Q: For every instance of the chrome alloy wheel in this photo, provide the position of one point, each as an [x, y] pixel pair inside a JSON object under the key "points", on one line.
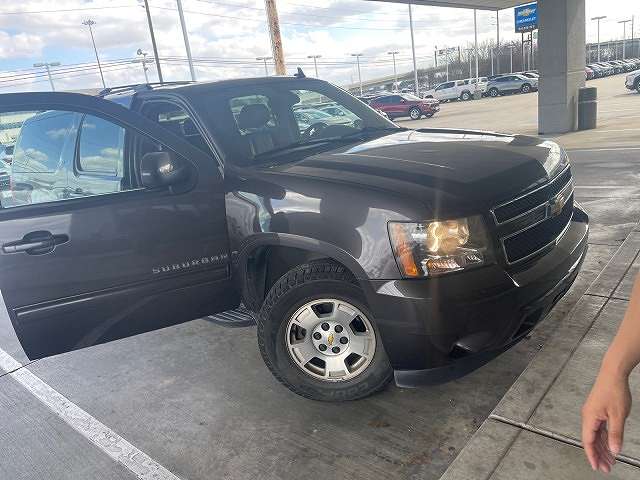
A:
{"points": [[330, 339]]}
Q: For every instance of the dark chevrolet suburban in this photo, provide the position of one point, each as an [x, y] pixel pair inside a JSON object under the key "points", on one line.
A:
{"points": [[364, 249]]}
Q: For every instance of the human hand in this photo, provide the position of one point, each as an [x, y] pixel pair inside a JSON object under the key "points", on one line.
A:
{"points": [[603, 417]]}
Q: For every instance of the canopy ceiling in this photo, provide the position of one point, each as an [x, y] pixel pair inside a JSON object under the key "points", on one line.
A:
{"points": [[479, 4]]}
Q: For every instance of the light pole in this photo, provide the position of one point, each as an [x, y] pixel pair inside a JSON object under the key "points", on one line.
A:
{"points": [[475, 33], [598, 20], [498, 41], [469, 50], [315, 62], [395, 72], [143, 61], [185, 35], [413, 52], [511, 59], [265, 60], [624, 37], [90, 23], [358, 55], [153, 41], [47, 65]]}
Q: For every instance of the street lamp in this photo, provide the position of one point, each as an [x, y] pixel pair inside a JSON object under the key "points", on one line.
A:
{"points": [[315, 62], [358, 55], [90, 23], [395, 72], [143, 61], [47, 65], [598, 20], [265, 59], [624, 37]]}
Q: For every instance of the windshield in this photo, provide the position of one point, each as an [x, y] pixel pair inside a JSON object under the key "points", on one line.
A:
{"points": [[411, 97], [270, 119]]}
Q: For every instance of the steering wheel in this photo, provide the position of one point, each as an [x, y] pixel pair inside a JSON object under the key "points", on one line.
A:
{"points": [[314, 130]]}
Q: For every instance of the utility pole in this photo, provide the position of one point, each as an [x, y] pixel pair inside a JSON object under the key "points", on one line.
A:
{"points": [[143, 61], [511, 59], [413, 53], [435, 57], [153, 41], [358, 55], [276, 38], [395, 72], [598, 20], [498, 41], [491, 55], [185, 35], [469, 50], [90, 23], [315, 62], [624, 37], [265, 59], [475, 33], [47, 65]]}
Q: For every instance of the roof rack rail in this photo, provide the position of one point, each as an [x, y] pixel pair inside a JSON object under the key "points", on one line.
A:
{"points": [[136, 87]]}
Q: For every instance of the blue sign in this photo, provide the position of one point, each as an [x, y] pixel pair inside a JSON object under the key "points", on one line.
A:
{"points": [[526, 18]]}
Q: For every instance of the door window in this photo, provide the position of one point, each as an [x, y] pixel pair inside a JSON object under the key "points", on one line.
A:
{"points": [[101, 147]]}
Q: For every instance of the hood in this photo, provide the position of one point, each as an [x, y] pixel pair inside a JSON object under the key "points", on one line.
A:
{"points": [[467, 169]]}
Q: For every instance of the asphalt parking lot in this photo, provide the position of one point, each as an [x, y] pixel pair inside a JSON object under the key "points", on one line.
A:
{"points": [[197, 399]]}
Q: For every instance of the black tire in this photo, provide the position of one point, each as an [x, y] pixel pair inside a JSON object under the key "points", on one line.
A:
{"points": [[493, 92], [415, 113], [428, 115], [466, 96], [638, 85], [526, 88], [297, 287]]}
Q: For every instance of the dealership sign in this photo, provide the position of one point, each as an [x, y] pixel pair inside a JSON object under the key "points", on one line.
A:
{"points": [[526, 18]]}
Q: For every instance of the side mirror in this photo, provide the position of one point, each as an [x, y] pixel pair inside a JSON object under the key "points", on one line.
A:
{"points": [[163, 169]]}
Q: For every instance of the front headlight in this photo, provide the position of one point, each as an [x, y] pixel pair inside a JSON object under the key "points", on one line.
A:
{"points": [[433, 248]]}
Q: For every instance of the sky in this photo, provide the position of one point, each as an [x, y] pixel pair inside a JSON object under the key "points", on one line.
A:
{"points": [[226, 36]]}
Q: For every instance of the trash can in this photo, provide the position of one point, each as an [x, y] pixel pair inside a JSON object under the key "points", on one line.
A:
{"points": [[587, 108]]}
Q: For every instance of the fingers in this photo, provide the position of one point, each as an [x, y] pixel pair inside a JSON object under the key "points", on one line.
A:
{"points": [[590, 428], [615, 426]]}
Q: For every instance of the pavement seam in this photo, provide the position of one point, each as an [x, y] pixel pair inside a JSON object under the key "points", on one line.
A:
{"points": [[557, 436]]}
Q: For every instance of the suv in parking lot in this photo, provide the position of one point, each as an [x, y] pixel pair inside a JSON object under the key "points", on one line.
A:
{"points": [[511, 84], [632, 82], [365, 250], [405, 105]]}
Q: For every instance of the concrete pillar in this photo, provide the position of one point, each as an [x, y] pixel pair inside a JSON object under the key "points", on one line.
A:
{"points": [[561, 63]]}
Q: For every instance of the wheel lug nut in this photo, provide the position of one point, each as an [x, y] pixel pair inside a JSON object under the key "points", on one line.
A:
{"points": [[344, 340], [317, 336], [335, 349], [322, 347], [338, 328], [325, 326]]}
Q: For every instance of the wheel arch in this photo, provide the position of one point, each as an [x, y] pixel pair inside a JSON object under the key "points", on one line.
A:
{"points": [[265, 258]]}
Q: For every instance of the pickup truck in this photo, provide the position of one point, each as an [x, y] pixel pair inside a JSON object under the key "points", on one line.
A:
{"points": [[366, 251], [458, 89]]}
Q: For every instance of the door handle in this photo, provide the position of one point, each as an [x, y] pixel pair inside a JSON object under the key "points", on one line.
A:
{"points": [[35, 243]]}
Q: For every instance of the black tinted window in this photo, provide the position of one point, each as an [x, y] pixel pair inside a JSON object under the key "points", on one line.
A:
{"points": [[101, 147], [41, 142]]}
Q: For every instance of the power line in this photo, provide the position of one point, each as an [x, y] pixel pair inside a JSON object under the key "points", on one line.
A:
{"points": [[28, 12]]}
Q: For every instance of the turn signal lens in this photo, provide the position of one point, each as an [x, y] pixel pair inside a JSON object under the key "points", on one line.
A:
{"points": [[437, 247]]}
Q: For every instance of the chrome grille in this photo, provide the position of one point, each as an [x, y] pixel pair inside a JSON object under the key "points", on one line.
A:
{"points": [[532, 223]]}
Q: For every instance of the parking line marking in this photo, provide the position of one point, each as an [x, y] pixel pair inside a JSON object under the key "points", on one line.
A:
{"points": [[116, 447]]}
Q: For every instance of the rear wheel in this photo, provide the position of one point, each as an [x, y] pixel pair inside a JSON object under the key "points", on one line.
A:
{"points": [[465, 96], [526, 88], [638, 85], [493, 92], [415, 113], [318, 337]]}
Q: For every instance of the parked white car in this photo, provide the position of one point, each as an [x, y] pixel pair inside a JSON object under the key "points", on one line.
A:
{"points": [[458, 89], [633, 81]]}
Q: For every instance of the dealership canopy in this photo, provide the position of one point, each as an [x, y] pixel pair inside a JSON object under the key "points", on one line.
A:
{"points": [[479, 4]]}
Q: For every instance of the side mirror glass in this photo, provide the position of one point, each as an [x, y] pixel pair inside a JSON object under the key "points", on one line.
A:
{"points": [[163, 169]]}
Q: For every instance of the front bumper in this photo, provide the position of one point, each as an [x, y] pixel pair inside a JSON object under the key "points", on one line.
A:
{"points": [[442, 328]]}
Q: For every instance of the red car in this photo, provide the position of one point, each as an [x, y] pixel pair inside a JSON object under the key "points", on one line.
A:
{"points": [[406, 105]]}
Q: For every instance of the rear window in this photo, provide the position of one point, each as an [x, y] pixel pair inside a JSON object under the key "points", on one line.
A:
{"points": [[41, 142]]}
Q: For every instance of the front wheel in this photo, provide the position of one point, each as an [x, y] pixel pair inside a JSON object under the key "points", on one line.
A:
{"points": [[318, 337], [494, 92], [638, 85], [465, 96], [415, 113]]}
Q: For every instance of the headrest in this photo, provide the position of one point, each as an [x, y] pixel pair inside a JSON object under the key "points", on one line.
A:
{"points": [[189, 128], [253, 116]]}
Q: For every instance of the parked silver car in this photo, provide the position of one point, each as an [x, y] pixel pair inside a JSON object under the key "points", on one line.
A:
{"points": [[511, 84]]}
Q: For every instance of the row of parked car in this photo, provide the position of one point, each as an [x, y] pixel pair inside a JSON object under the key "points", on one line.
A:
{"points": [[613, 67]]}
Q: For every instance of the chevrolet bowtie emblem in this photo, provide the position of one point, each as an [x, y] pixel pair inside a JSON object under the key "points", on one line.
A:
{"points": [[556, 205], [330, 339]]}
